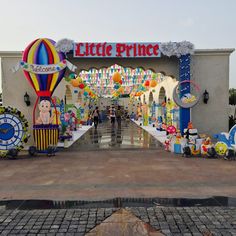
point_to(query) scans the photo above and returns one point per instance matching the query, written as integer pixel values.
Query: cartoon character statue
(190, 133)
(206, 145)
(159, 123)
(226, 142)
(44, 115)
(178, 137)
(167, 144)
(188, 98)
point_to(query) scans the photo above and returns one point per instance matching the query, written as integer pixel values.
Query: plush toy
(44, 114)
(167, 144)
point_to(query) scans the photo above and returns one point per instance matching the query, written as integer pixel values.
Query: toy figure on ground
(206, 145)
(90, 119)
(191, 135)
(167, 144)
(226, 145)
(44, 115)
(158, 123)
(178, 137)
(177, 144)
(208, 148)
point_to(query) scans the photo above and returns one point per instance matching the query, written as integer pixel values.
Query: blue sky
(206, 23)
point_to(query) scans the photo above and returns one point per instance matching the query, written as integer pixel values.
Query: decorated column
(184, 74)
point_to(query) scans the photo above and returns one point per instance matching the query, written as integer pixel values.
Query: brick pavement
(170, 220)
(122, 173)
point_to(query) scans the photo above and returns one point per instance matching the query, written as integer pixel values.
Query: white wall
(209, 68)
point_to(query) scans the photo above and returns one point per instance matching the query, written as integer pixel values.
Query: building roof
(196, 52)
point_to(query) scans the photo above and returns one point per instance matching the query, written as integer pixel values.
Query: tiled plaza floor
(156, 220)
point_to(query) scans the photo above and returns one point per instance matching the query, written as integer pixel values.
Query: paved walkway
(175, 221)
(81, 175)
(114, 168)
(108, 136)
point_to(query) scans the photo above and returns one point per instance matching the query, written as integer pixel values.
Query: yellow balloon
(79, 79)
(86, 89)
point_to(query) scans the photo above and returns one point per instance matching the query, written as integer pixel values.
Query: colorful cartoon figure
(171, 129)
(167, 144)
(159, 123)
(44, 115)
(188, 98)
(178, 137)
(190, 133)
(226, 141)
(206, 145)
(56, 117)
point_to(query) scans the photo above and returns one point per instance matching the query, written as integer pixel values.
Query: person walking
(96, 116)
(118, 116)
(113, 115)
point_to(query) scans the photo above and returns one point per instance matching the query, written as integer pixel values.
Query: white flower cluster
(176, 48)
(64, 45)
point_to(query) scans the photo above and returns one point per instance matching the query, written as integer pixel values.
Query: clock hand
(7, 130)
(3, 131)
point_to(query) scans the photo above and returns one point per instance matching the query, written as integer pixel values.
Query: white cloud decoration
(176, 48)
(64, 45)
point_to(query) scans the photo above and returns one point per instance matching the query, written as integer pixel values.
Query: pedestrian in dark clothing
(118, 116)
(112, 115)
(96, 116)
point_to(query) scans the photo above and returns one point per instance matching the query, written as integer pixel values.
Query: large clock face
(11, 131)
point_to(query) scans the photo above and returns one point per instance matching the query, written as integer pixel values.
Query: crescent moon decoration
(186, 94)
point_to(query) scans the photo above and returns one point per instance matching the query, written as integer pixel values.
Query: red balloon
(81, 86)
(120, 82)
(147, 83)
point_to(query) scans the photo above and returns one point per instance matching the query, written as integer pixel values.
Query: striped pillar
(184, 74)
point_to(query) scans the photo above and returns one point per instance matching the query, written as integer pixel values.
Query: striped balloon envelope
(43, 66)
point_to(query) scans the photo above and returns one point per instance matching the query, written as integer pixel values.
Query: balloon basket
(46, 139)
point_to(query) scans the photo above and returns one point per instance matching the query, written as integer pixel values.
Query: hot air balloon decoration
(44, 67)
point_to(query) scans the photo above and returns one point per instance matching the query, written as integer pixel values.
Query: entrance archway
(150, 100)
(68, 95)
(162, 95)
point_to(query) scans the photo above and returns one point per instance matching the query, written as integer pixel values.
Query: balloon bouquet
(44, 68)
